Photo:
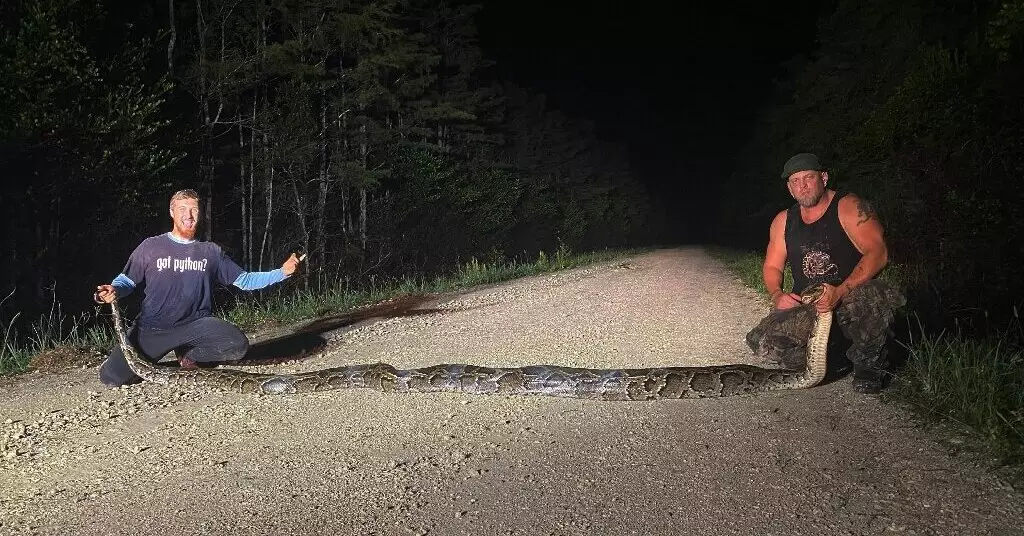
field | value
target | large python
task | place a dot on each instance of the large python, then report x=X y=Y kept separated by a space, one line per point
x=550 y=380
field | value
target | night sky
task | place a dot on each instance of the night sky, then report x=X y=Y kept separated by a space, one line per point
x=678 y=82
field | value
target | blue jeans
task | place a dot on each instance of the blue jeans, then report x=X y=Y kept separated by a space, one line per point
x=204 y=341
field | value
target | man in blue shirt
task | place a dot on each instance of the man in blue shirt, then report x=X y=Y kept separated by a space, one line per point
x=177 y=273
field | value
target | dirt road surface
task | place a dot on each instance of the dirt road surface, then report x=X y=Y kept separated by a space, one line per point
x=81 y=459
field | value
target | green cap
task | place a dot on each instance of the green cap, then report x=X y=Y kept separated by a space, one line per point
x=801 y=162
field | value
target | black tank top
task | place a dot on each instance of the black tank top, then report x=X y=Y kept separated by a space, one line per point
x=819 y=252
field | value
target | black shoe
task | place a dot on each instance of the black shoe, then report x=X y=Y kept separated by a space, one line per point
x=867 y=381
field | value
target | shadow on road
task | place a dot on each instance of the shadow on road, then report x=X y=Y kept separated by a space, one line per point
x=304 y=338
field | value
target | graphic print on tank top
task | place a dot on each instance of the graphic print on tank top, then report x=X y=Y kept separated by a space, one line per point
x=817 y=265
x=821 y=251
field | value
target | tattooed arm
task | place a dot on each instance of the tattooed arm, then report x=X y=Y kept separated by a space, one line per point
x=861 y=224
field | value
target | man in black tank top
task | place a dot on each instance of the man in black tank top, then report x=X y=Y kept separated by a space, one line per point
x=834 y=238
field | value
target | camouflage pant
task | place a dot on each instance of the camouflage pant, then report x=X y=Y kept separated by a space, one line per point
x=864 y=317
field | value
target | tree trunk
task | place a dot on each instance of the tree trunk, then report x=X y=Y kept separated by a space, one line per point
x=321 y=201
x=252 y=179
x=346 y=219
x=268 y=192
x=206 y=144
x=362 y=217
x=208 y=212
x=173 y=39
x=300 y=204
x=261 y=46
x=244 y=192
x=343 y=154
x=362 y=189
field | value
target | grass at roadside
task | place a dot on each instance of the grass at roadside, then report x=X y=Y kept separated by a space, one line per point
x=58 y=330
x=336 y=298
x=975 y=383
x=978 y=383
x=747 y=266
x=55 y=330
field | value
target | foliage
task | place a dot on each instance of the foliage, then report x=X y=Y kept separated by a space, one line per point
x=976 y=382
x=446 y=209
x=83 y=138
x=373 y=135
x=56 y=330
x=915 y=106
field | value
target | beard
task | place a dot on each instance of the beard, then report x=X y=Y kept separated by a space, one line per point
x=186 y=230
x=811 y=199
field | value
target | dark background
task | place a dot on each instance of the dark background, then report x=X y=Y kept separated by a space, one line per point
x=369 y=134
x=913 y=104
x=679 y=82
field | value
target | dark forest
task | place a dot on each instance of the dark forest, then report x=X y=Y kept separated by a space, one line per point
x=399 y=138
x=375 y=137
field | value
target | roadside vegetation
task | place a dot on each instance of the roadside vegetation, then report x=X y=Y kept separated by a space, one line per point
x=973 y=382
x=91 y=332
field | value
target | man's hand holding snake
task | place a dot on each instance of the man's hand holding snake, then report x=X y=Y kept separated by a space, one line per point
x=292 y=264
x=830 y=298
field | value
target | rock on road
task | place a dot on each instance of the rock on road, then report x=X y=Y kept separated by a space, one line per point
x=147 y=460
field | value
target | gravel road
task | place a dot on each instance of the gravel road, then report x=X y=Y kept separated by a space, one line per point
x=76 y=458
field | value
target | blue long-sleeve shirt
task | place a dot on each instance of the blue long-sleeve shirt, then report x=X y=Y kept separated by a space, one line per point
x=177 y=278
x=245 y=281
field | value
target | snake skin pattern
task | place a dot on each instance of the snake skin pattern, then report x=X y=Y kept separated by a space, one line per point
x=550 y=380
